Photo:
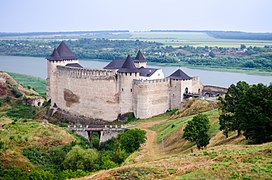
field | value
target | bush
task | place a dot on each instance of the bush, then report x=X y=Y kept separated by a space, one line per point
x=2 y=103
x=79 y=158
x=19 y=110
x=40 y=175
x=131 y=140
x=37 y=156
x=8 y=99
x=67 y=174
x=107 y=163
x=16 y=93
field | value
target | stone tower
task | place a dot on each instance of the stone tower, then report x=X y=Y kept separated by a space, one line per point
x=61 y=56
x=140 y=60
x=126 y=74
x=180 y=85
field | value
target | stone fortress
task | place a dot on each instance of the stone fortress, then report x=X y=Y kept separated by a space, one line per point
x=123 y=86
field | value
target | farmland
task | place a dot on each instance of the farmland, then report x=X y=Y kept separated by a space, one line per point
x=197 y=39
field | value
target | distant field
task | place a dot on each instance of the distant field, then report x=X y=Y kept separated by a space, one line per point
x=193 y=39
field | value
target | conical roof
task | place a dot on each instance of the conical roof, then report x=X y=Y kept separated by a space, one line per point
x=140 y=57
x=63 y=52
x=180 y=75
x=128 y=66
x=54 y=56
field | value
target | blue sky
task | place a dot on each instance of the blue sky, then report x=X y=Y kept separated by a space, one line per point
x=81 y=15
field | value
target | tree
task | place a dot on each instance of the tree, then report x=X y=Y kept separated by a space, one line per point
x=79 y=158
x=202 y=139
x=248 y=108
x=242 y=46
x=196 y=130
x=212 y=54
x=255 y=113
x=131 y=140
x=229 y=118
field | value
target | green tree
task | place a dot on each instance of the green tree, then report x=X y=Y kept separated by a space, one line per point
x=131 y=140
x=229 y=117
x=242 y=46
x=248 y=109
x=212 y=54
x=202 y=139
x=255 y=113
x=196 y=128
x=79 y=158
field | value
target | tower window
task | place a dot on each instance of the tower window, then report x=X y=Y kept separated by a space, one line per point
x=130 y=90
x=122 y=89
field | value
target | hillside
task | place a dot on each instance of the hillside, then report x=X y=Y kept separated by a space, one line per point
x=166 y=155
x=20 y=126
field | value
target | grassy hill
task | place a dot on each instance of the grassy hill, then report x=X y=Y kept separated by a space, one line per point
x=20 y=124
x=166 y=155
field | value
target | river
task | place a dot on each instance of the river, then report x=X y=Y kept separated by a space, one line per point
x=37 y=66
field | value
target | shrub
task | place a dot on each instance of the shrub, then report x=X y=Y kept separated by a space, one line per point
x=8 y=99
x=67 y=174
x=37 y=156
x=19 y=110
x=79 y=158
x=107 y=163
x=40 y=175
x=16 y=93
x=131 y=140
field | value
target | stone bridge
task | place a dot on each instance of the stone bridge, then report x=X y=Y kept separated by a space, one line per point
x=105 y=132
x=213 y=91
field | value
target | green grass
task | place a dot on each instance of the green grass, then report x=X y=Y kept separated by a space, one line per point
x=165 y=129
x=245 y=162
x=27 y=81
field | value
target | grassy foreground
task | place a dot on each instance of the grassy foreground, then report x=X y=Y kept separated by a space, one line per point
x=166 y=155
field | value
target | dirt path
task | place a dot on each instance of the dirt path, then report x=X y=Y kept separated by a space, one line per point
x=150 y=151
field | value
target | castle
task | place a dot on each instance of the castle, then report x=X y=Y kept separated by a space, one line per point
x=123 y=86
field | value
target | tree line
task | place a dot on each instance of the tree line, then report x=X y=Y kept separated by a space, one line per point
x=252 y=58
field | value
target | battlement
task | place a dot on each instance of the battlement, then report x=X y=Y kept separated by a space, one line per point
x=153 y=81
x=84 y=73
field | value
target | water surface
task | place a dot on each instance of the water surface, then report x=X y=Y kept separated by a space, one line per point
x=37 y=66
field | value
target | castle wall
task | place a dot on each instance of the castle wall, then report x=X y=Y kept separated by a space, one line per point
x=197 y=86
x=151 y=97
x=88 y=92
x=51 y=81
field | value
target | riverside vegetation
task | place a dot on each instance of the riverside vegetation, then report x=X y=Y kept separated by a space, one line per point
x=35 y=149
x=246 y=57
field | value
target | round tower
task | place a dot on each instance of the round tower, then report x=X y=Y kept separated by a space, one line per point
x=126 y=74
x=61 y=56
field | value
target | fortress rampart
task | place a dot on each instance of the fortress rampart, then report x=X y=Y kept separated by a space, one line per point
x=101 y=94
x=84 y=73
x=89 y=92
x=151 y=97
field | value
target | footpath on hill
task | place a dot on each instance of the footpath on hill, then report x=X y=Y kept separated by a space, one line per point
x=150 y=151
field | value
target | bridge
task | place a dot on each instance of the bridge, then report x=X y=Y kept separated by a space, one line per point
x=213 y=91
x=105 y=132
